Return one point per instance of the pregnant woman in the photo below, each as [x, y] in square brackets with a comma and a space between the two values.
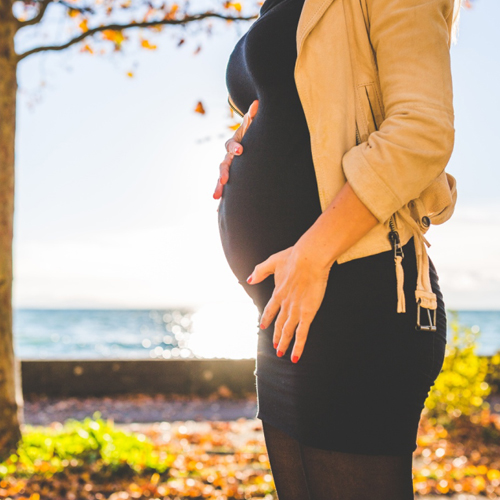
[342, 375]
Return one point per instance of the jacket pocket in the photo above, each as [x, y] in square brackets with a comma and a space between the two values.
[371, 106]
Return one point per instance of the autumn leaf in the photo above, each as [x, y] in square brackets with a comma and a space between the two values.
[234, 5]
[147, 45]
[84, 25]
[171, 13]
[115, 36]
[130, 74]
[199, 108]
[236, 126]
[87, 48]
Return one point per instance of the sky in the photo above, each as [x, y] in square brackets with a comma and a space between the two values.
[115, 175]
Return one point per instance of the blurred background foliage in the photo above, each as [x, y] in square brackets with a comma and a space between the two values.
[458, 447]
[466, 378]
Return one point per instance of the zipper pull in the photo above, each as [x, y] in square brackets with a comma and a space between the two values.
[398, 257]
[396, 244]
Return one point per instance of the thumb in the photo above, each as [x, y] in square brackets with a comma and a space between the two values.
[263, 270]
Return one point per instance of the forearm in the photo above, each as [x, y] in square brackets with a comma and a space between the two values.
[345, 221]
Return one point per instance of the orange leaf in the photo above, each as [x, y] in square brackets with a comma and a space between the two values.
[87, 48]
[113, 36]
[83, 25]
[170, 14]
[234, 5]
[130, 74]
[147, 45]
[199, 108]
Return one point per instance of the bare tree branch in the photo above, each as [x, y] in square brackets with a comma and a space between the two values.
[120, 27]
[34, 20]
[82, 10]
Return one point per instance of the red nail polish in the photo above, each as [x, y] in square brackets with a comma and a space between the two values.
[275, 345]
[279, 353]
[262, 327]
[249, 279]
[295, 359]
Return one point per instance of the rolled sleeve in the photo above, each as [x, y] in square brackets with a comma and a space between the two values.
[416, 138]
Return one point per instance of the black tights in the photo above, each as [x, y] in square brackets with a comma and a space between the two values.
[305, 473]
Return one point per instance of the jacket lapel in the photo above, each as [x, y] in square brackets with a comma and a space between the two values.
[312, 11]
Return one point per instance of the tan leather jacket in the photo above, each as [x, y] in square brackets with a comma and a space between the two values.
[374, 80]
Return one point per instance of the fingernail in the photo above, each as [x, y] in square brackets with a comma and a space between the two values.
[249, 279]
[295, 358]
[279, 353]
[236, 149]
[262, 327]
[275, 344]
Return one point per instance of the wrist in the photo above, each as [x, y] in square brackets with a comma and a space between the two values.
[319, 252]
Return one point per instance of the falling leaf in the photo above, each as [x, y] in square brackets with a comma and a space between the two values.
[199, 108]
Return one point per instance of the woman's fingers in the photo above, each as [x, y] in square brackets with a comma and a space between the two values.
[218, 191]
[247, 121]
[301, 333]
[233, 147]
[254, 107]
[224, 168]
[266, 267]
[284, 331]
[270, 311]
[223, 175]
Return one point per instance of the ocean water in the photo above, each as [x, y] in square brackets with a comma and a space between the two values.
[214, 331]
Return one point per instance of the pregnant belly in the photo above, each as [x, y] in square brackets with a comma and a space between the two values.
[270, 199]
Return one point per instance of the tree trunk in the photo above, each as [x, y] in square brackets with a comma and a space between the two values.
[10, 394]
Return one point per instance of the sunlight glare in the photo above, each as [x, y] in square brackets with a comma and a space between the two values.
[225, 330]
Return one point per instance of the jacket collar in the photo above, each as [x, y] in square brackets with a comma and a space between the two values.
[312, 11]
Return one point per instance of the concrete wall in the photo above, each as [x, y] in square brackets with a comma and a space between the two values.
[111, 377]
[170, 376]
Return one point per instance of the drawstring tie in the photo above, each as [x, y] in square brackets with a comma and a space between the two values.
[424, 295]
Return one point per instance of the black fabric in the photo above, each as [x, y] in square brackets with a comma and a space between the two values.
[307, 473]
[365, 372]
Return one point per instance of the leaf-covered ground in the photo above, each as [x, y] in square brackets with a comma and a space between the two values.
[98, 459]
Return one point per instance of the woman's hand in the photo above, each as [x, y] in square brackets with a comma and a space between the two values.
[233, 147]
[300, 284]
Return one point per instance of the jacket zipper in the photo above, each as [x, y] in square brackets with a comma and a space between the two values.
[394, 238]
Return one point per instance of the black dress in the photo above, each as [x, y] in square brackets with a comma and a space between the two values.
[365, 372]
